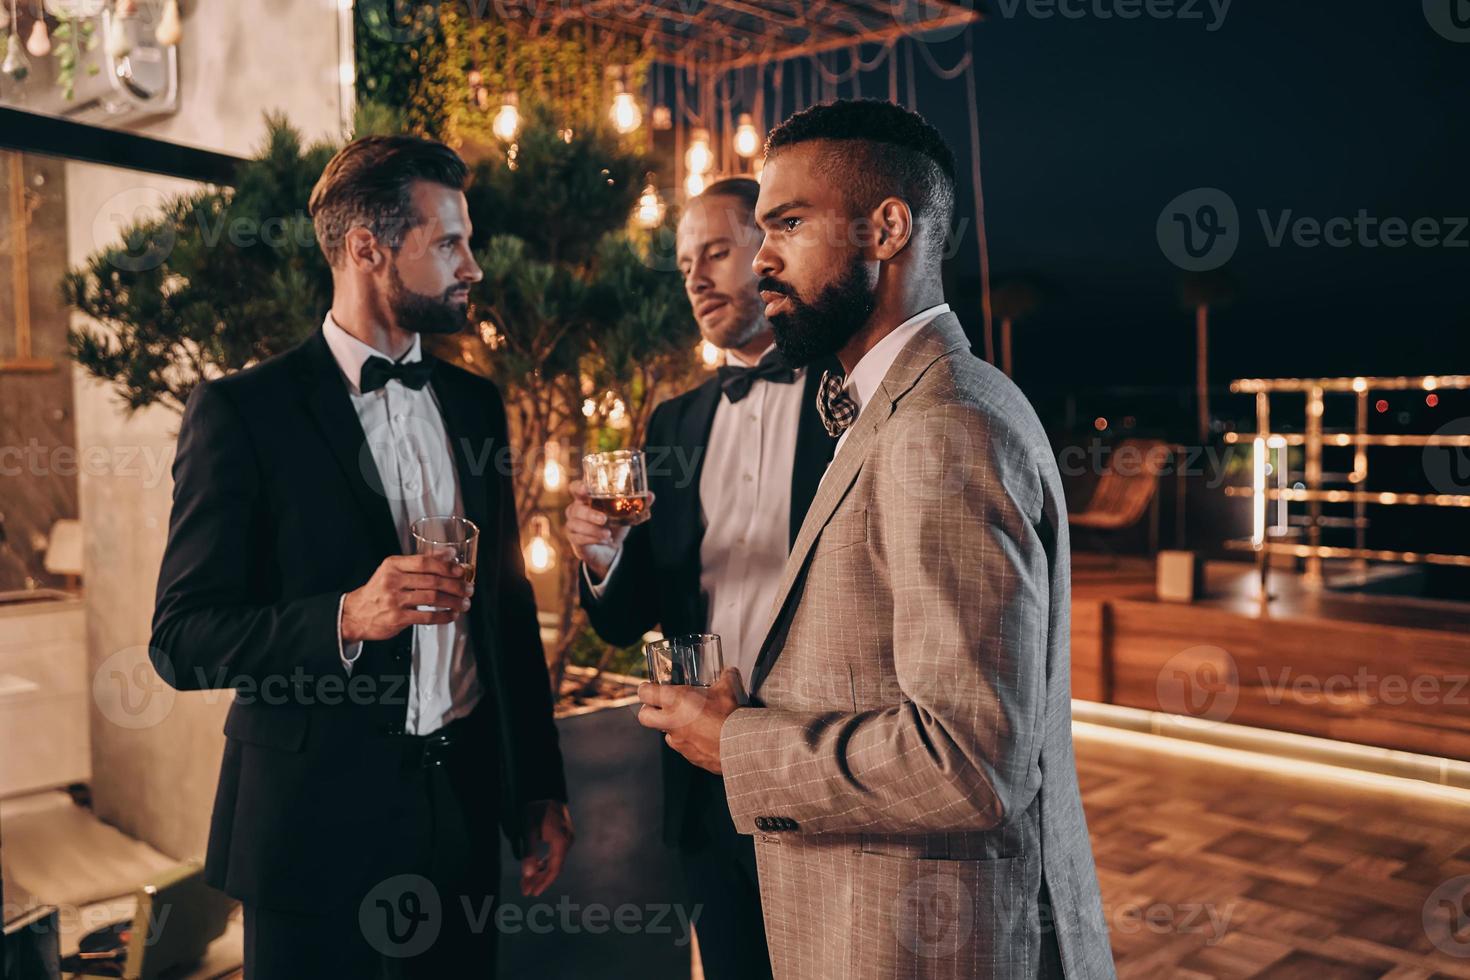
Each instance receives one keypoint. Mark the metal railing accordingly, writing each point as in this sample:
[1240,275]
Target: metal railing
[1269,452]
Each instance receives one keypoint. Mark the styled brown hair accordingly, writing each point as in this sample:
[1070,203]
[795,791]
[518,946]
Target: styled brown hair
[369,183]
[743,189]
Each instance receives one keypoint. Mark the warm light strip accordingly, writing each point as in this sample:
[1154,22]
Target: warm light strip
[1372,554]
[1349,439]
[1431,382]
[1368,496]
[1300,769]
[1258,487]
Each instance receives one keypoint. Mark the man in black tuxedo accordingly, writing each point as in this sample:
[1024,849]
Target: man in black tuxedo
[733,466]
[388,716]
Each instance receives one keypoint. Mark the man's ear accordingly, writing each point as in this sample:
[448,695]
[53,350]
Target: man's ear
[893,228]
[360,250]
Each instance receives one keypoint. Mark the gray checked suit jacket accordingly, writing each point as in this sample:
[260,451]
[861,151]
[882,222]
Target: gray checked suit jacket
[906,764]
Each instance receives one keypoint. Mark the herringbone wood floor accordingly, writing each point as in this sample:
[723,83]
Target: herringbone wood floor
[1213,871]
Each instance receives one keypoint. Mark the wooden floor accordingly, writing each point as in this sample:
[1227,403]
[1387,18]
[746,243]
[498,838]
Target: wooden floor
[1214,871]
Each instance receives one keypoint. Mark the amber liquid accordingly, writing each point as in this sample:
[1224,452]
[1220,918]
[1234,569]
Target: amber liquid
[469,572]
[621,508]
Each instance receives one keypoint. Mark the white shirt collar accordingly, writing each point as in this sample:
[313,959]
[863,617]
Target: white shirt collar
[869,372]
[352,353]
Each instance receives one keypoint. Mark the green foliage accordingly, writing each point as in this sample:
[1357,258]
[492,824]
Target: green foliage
[215,280]
[450,65]
[73,37]
[560,195]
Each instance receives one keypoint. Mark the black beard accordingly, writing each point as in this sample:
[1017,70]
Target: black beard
[418,313]
[812,331]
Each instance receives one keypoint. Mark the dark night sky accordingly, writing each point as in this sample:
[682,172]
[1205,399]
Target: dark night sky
[1090,126]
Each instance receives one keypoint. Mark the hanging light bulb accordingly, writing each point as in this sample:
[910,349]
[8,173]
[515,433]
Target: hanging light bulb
[694,185]
[553,475]
[699,158]
[747,140]
[650,207]
[540,554]
[16,65]
[39,43]
[710,355]
[119,39]
[169,29]
[507,121]
[663,117]
[626,116]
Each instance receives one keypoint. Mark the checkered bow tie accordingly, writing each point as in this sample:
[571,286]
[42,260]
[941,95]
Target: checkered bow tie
[835,405]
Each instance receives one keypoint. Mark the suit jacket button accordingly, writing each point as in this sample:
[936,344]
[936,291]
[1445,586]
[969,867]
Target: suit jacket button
[790,824]
[762,823]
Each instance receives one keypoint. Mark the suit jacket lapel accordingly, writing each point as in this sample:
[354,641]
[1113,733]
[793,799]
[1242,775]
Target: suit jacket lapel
[330,406]
[938,338]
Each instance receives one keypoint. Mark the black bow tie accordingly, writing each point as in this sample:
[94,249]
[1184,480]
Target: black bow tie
[378,371]
[736,381]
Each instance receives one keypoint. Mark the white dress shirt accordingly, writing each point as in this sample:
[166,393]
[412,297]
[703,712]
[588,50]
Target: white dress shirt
[865,377]
[406,435]
[745,505]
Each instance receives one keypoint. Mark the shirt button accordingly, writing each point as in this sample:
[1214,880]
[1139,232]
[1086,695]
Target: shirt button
[748,478]
[398,417]
[754,418]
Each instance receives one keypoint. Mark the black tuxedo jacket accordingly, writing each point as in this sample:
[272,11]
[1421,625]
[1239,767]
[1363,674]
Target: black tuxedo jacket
[656,582]
[278,510]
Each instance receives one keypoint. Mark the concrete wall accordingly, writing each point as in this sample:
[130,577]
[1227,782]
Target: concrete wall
[155,753]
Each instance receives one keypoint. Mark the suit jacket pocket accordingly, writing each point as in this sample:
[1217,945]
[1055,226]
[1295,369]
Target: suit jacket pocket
[940,918]
[843,531]
[274,727]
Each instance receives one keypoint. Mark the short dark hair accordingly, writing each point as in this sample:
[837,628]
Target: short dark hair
[885,150]
[744,189]
[369,183]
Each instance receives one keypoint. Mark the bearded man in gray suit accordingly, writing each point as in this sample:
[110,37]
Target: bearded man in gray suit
[904,758]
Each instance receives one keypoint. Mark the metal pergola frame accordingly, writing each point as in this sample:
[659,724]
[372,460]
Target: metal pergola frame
[724,35]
